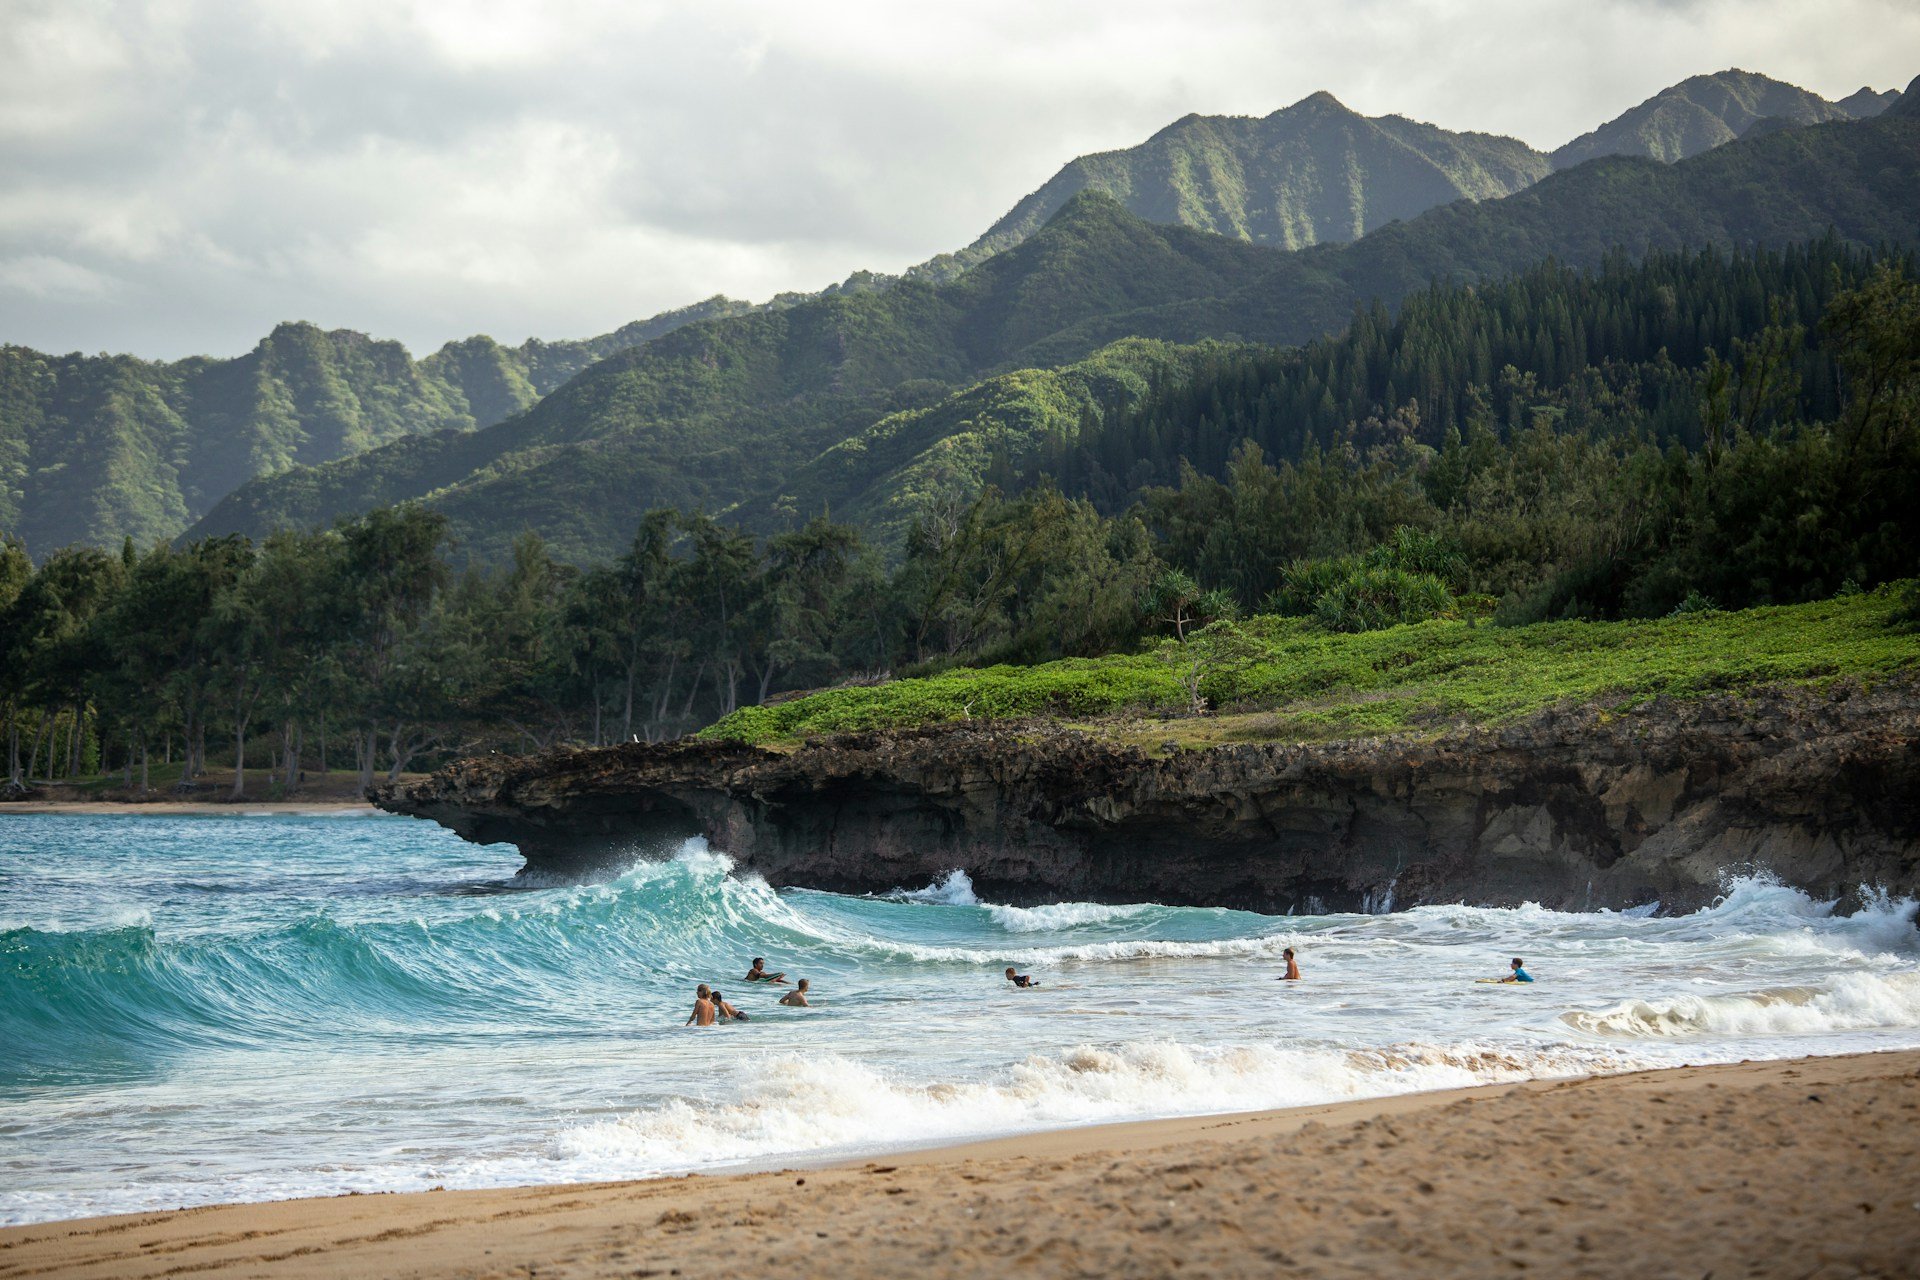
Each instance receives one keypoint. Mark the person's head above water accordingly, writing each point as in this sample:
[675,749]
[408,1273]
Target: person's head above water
[1518,962]
[1288,953]
[759,962]
[803,984]
[703,991]
[1009,971]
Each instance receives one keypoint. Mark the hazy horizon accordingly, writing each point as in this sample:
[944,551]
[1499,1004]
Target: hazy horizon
[182,177]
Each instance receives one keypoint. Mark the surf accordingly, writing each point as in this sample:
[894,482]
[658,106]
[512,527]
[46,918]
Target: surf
[309,1007]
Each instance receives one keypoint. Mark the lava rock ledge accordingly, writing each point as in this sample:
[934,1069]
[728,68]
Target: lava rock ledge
[1570,808]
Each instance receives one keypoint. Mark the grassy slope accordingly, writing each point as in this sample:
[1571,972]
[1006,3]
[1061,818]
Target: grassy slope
[1309,684]
[884,477]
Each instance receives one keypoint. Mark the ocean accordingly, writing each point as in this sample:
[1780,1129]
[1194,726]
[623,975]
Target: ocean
[207,1009]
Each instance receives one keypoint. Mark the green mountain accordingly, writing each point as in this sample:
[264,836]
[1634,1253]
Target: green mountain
[1698,114]
[1866,102]
[1907,105]
[862,403]
[723,410]
[1307,174]
[94,448]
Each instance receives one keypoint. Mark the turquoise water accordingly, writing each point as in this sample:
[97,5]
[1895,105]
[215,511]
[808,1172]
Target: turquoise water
[230,1008]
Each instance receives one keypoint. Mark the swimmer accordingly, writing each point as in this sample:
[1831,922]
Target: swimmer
[796,998]
[703,1010]
[726,1011]
[1020,979]
[1519,973]
[759,972]
[1293,967]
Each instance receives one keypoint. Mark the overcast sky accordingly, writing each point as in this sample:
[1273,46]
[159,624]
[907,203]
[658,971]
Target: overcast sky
[178,175]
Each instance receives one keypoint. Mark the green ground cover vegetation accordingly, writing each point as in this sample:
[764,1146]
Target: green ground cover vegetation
[1312,683]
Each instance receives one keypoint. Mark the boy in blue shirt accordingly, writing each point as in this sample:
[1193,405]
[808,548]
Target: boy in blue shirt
[1519,973]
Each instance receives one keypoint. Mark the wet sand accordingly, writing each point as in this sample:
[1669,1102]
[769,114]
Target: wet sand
[1799,1168]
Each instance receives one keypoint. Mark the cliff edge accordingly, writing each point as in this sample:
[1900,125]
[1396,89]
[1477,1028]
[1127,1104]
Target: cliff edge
[1585,808]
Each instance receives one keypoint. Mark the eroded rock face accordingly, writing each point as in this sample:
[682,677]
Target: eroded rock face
[1576,809]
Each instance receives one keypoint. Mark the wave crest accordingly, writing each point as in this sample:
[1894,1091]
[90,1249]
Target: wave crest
[1852,1002]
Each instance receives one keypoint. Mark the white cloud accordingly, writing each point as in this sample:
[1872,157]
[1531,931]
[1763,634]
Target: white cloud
[40,275]
[177,175]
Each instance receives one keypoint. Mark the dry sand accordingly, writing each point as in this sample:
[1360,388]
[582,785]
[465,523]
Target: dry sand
[1802,1168]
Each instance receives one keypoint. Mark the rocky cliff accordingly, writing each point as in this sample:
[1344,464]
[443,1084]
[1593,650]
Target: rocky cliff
[1584,808]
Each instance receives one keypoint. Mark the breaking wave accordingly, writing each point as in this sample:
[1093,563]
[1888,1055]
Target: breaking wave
[831,1105]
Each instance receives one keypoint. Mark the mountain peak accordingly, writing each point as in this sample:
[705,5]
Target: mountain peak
[1698,114]
[1866,102]
[1307,174]
[1319,101]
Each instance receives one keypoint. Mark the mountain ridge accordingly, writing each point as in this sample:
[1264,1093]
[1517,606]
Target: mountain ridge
[97,448]
[94,448]
[1698,114]
[1304,174]
[1064,294]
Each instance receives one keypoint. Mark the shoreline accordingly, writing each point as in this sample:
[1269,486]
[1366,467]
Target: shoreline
[185,808]
[1774,1167]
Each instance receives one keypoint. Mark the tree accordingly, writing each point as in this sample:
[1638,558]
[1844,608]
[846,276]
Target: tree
[1180,602]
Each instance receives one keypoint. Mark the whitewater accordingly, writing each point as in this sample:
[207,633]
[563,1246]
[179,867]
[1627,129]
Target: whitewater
[208,1009]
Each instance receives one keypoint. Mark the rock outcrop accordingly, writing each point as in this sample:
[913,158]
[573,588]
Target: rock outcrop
[1585,808]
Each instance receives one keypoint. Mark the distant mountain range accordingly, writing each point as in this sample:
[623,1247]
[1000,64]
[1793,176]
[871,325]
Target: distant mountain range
[862,402]
[94,448]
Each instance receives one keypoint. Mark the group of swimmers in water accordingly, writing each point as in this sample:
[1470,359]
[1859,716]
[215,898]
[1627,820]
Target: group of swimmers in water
[710,1007]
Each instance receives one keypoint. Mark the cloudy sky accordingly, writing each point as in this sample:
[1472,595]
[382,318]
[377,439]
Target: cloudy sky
[178,175]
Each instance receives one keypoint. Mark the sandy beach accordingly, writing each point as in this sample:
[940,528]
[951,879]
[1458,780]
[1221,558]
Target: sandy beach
[1807,1167]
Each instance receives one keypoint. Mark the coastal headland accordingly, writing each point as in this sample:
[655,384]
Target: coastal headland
[1789,1168]
[1573,807]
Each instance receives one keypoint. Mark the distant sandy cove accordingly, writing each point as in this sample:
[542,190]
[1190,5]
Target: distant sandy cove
[1804,1168]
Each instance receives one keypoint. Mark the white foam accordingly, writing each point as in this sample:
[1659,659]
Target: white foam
[1851,1002]
[955,889]
[1059,916]
[795,1104]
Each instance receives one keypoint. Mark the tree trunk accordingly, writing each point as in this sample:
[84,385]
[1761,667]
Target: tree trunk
[239,757]
[596,713]
[323,744]
[626,717]
[366,743]
[33,760]
[143,766]
[398,760]
[693,692]
[13,749]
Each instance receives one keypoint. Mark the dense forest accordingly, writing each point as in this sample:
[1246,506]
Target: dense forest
[1695,431]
